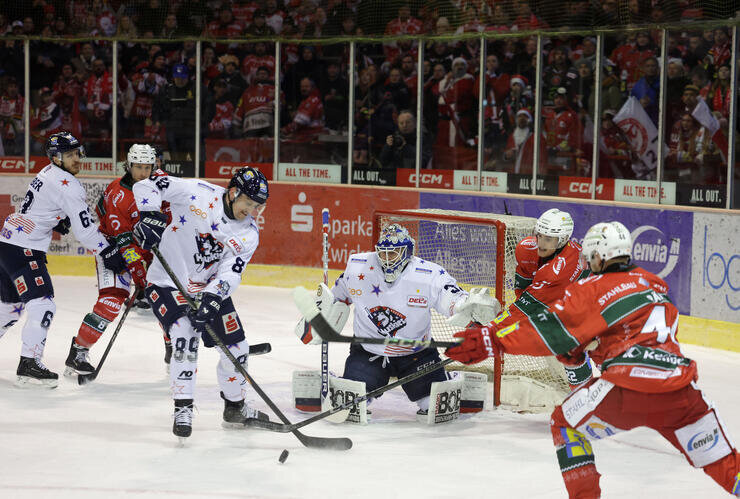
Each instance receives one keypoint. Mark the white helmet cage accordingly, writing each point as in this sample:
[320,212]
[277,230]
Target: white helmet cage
[608,240]
[555,223]
[142,154]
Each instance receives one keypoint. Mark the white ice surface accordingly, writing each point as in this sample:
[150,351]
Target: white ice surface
[113,438]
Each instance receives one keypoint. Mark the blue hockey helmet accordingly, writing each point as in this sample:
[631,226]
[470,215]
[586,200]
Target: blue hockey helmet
[252,183]
[61,142]
[395,248]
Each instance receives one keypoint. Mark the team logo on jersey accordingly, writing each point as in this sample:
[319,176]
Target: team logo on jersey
[231,322]
[387,320]
[209,250]
[20,285]
[33,265]
[179,298]
[154,296]
[558,265]
[117,198]
[417,301]
[223,288]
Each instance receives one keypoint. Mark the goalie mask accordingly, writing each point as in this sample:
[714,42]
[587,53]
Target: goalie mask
[394,249]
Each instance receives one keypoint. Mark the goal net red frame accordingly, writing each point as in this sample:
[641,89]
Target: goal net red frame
[477,249]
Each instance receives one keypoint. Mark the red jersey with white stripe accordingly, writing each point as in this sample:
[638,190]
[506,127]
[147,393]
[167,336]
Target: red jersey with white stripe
[625,319]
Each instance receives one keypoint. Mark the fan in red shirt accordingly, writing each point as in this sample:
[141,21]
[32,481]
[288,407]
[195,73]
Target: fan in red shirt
[308,121]
[623,318]
[118,214]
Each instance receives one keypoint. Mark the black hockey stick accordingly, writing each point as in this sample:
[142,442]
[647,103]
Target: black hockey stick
[308,441]
[307,306]
[83,379]
[284,428]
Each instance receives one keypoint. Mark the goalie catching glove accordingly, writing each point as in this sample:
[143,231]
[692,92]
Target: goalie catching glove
[335,312]
[478,307]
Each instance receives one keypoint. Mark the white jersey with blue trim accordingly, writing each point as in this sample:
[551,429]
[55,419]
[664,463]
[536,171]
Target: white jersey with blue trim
[401,309]
[52,195]
[206,250]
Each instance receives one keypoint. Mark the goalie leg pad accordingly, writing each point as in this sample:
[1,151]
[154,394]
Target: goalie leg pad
[344,390]
[409,364]
[444,401]
[307,390]
[474,389]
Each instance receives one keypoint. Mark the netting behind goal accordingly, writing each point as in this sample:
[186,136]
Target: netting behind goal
[477,249]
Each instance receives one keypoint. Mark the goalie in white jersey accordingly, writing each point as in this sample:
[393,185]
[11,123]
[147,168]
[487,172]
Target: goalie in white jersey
[212,237]
[393,293]
[55,201]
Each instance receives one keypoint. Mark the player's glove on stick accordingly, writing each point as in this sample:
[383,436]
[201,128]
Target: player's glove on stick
[477,345]
[208,311]
[112,259]
[148,232]
[137,270]
[63,226]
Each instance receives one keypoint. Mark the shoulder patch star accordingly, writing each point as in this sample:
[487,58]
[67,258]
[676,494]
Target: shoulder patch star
[100,244]
[58,217]
[182,219]
[19,229]
[372,268]
[193,198]
[210,205]
[361,277]
[144,201]
[232,379]
[214,226]
[65,182]
[376,290]
[17,309]
[441,271]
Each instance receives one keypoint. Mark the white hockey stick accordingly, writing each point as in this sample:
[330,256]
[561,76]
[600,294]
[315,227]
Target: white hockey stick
[325,263]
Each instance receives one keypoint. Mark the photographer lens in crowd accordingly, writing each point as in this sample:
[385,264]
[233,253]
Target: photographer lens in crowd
[399,150]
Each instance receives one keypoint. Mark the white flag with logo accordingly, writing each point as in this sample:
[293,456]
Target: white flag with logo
[640,131]
[704,116]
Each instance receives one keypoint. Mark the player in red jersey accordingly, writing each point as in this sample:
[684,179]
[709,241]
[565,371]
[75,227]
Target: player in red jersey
[118,214]
[546,264]
[623,317]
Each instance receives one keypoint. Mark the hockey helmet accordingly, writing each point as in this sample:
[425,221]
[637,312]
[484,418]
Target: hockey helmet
[555,223]
[608,240]
[395,248]
[142,154]
[252,183]
[61,142]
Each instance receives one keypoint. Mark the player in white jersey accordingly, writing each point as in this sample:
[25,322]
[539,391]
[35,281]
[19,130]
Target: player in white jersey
[55,201]
[212,237]
[393,293]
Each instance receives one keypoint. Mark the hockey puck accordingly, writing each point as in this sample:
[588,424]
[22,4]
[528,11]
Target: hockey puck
[283,456]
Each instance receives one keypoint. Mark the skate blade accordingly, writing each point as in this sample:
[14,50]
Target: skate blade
[72,373]
[181,441]
[232,426]
[28,382]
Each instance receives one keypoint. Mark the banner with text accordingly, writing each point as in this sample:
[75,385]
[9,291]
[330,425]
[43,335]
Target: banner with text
[303,172]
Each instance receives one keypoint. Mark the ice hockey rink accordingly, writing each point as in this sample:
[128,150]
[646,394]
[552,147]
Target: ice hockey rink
[113,438]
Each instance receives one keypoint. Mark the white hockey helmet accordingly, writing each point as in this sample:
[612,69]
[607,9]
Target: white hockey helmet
[395,248]
[142,154]
[608,240]
[555,223]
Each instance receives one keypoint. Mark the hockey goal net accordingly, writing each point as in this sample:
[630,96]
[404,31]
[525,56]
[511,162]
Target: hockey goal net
[477,249]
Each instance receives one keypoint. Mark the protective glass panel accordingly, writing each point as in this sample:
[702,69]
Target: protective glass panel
[12,117]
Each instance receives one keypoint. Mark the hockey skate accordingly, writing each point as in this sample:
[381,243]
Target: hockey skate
[32,372]
[78,360]
[140,302]
[421,415]
[182,427]
[235,413]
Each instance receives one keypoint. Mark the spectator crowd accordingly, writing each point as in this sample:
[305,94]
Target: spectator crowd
[72,82]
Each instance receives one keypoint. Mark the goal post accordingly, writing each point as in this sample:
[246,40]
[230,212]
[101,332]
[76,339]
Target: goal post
[478,249]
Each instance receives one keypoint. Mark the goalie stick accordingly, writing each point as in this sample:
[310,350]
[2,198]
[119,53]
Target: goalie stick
[284,428]
[308,441]
[325,263]
[307,306]
[84,379]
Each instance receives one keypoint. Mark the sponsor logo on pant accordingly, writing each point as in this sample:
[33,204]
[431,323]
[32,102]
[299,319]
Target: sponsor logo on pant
[20,285]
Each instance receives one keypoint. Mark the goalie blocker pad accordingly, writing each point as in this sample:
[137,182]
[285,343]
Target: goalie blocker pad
[444,401]
[335,312]
[474,388]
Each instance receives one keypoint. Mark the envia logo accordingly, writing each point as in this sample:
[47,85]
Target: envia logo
[654,251]
[703,441]
[717,272]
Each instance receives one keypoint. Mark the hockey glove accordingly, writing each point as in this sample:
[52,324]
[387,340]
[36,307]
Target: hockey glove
[478,307]
[63,226]
[137,270]
[208,311]
[477,345]
[148,232]
[112,259]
